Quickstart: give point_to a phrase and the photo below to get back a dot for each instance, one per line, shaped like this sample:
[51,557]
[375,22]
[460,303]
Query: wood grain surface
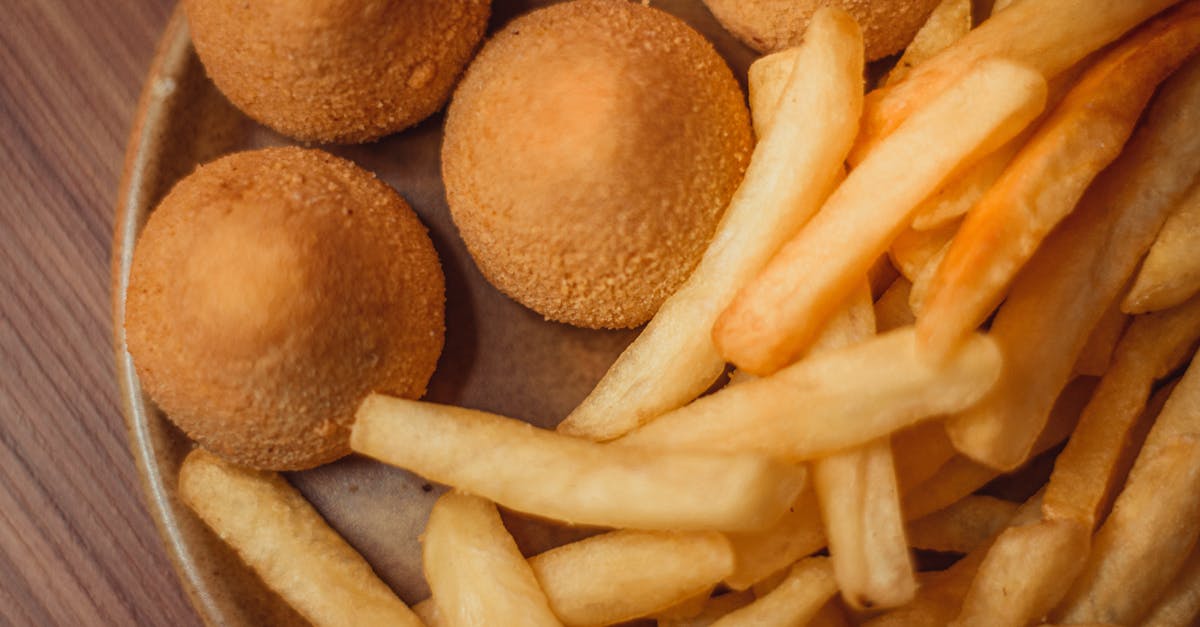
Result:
[76,544]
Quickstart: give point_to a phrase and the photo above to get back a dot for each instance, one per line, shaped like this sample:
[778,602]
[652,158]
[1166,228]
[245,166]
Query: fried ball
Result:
[770,25]
[589,153]
[336,70]
[270,292]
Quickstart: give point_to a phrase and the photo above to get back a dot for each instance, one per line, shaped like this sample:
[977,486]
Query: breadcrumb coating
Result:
[270,292]
[590,150]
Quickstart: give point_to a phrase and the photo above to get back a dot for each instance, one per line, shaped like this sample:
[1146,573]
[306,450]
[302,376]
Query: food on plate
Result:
[285,541]
[775,317]
[474,569]
[1064,289]
[589,152]
[774,25]
[345,71]
[270,291]
[1170,273]
[1050,173]
[546,474]
[794,166]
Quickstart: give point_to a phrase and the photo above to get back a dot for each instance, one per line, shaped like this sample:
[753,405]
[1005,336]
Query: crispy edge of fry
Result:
[963,526]
[1060,295]
[1085,471]
[795,601]
[1050,35]
[571,479]
[474,569]
[1170,273]
[794,167]
[949,22]
[1049,175]
[848,397]
[283,538]
[623,575]
[775,317]
[767,79]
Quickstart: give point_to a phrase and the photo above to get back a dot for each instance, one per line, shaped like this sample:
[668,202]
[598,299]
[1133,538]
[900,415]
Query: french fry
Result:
[1078,271]
[689,608]
[1170,273]
[428,612]
[1097,353]
[546,474]
[1084,472]
[1133,445]
[830,615]
[775,317]
[713,610]
[964,191]
[279,534]
[474,569]
[1179,605]
[948,23]
[1025,573]
[920,451]
[892,310]
[793,169]
[623,575]
[828,402]
[912,250]
[795,601]
[1156,519]
[759,555]
[860,504]
[961,476]
[923,281]
[767,79]
[1048,35]
[881,275]
[1047,178]
[1000,5]
[963,526]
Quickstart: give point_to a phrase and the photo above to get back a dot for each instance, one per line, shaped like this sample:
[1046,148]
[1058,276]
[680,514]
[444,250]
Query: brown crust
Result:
[336,70]
[272,290]
[589,153]
[771,25]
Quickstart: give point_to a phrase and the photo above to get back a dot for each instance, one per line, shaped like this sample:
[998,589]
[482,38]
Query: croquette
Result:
[270,292]
[342,71]
[589,152]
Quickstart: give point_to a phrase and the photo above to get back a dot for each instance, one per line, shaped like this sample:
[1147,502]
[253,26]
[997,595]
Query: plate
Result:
[499,356]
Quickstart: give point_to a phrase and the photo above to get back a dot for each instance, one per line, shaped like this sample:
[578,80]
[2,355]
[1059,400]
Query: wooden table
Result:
[76,544]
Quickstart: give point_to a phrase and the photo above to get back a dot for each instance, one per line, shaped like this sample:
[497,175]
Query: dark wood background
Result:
[76,544]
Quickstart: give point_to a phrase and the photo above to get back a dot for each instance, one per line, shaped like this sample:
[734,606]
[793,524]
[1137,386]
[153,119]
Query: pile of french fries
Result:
[1034,181]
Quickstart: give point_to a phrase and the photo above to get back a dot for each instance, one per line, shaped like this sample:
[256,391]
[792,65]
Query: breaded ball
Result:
[270,292]
[336,70]
[770,25]
[590,150]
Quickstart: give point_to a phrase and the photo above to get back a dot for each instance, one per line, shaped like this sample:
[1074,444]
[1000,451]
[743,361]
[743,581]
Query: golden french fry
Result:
[1079,270]
[759,555]
[948,23]
[713,610]
[892,310]
[623,575]
[1155,345]
[687,609]
[1025,573]
[1179,605]
[828,402]
[793,169]
[775,317]
[1137,438]
[963,526]
[923,281]
[428,612]
[795,601]
[964,191]
[767,79]
[543,473]
[912,251]
[1000,5]
[1047,178]
[475,570]
[1048,35]
[919,452]
[1155,521]
[1097,353]
[279,534]
[830,615]
[860,505]
[962,476]
[1170,273]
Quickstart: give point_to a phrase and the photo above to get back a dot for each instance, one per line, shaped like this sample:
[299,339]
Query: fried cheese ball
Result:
[770,25]
[270,292]
[336,70]
[589,153]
